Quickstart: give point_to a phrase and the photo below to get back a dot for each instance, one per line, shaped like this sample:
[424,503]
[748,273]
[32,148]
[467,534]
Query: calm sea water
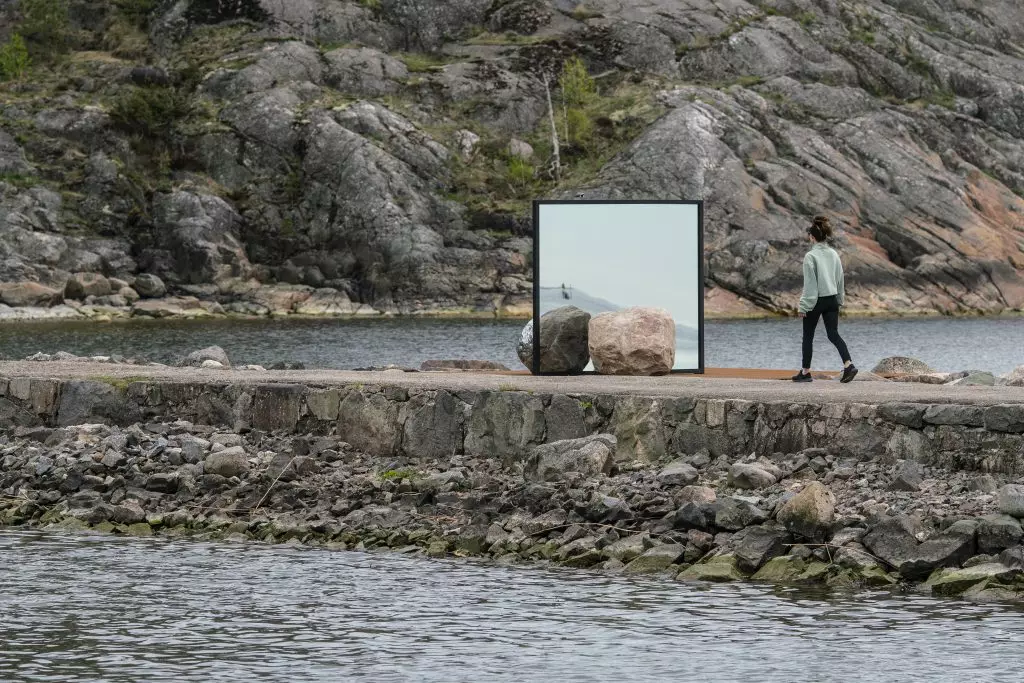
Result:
[993,344]
[101,608]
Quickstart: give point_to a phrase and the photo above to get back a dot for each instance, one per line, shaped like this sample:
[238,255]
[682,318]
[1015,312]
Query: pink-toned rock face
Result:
[634,341]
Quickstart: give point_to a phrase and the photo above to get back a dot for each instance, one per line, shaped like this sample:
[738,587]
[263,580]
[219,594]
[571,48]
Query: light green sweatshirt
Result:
[823,276]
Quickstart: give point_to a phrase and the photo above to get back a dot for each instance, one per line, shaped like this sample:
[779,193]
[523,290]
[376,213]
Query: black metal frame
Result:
[536,272]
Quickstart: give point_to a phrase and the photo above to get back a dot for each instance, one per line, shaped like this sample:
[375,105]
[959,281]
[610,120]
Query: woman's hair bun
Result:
[821,228]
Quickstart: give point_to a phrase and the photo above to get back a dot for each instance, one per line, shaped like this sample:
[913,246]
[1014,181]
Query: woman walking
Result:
[822,297]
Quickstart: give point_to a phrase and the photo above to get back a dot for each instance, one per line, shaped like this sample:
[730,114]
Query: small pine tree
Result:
[578,88]
[14,58]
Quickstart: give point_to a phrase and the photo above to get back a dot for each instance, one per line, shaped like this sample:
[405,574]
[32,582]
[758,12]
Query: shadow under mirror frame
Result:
[538,203]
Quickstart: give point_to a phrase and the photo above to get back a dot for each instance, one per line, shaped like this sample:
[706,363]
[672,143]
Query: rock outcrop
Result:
[396,170]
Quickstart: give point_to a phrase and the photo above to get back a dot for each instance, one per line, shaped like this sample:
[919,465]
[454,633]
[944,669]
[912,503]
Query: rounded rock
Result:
[634,341]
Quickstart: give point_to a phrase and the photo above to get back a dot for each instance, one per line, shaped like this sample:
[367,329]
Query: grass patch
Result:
[940,98]
[417,62]
[19,180]
[398,475]
[586,405]
[119,383]
[508,386]
[507,38]
[806,19]
[581,13]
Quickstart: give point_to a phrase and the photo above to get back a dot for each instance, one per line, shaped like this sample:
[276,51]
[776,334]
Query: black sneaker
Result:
[801,377]
[849,372]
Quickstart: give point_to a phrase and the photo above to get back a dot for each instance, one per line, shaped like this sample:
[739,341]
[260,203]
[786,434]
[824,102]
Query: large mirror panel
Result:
[607,257]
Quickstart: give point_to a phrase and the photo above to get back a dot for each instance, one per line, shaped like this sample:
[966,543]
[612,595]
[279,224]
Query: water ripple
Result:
[85,608]
[945,343]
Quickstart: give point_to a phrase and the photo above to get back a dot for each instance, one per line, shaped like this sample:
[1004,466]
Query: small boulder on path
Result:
[634,341]
[902,365]
[563,341]
[214,353]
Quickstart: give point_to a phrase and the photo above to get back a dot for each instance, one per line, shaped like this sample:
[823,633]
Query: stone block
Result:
[906,414]
[323,404]
[636,423]
[370,423]
[1005,418]
[85,401]
[276,406]
[432,426]
[565,419]
[953,414]
[504,424]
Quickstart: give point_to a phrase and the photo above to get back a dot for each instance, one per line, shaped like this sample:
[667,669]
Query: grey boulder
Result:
[563,341]
[590,456]
[196,359]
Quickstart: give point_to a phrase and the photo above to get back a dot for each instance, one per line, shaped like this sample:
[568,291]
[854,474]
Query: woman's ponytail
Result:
[821,228]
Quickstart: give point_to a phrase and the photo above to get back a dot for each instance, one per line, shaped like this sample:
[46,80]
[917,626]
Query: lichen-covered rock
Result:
[810,513]
[1011,500]
[677,473]
[590,456]
[149,286]
[634,341]
[949,582]
[655,559]
[721,569]
[230,462]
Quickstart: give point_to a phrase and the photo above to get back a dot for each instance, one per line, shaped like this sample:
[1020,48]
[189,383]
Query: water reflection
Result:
[76,608]
[947,344]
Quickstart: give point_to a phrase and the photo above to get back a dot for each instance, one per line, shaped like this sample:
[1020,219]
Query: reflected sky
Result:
[626,254]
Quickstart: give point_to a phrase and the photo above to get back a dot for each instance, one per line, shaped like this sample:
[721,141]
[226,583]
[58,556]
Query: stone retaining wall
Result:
[421,424]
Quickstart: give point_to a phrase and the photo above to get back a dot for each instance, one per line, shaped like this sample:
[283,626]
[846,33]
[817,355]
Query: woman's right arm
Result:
[809,297]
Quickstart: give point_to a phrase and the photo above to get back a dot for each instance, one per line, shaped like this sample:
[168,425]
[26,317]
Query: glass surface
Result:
[606,257]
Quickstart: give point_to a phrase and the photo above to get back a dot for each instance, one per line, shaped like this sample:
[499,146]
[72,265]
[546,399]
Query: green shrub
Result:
[44,23]
[580,125]
[520,173]
[136,11]
[150,112]
[14,59]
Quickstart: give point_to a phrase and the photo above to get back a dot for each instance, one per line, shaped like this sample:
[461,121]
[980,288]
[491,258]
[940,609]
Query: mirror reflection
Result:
[599,258]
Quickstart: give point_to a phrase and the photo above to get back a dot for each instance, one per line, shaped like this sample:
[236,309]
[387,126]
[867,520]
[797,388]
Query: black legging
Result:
[827,307]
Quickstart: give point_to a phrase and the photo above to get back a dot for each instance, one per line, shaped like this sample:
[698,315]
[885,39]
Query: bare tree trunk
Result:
[565,115]
[556,153]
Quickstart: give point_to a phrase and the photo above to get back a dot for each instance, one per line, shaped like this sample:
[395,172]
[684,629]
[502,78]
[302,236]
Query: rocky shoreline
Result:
[327,304]
[806,518]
